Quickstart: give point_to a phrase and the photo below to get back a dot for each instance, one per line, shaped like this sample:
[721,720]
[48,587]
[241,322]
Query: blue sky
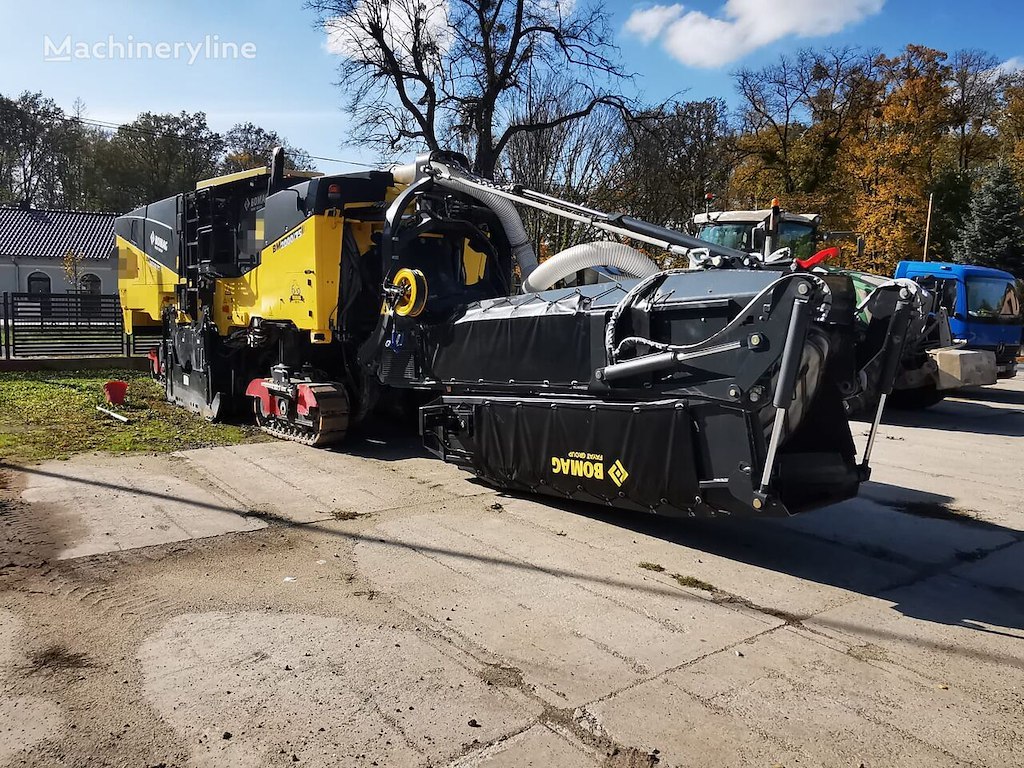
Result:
[690,47]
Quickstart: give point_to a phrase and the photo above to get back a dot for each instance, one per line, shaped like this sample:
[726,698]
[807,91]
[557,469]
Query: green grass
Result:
[681,579]
[651,567]
[692,582]
[52,415]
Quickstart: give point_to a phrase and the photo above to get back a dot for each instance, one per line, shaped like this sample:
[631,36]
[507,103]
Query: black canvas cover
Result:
[632,456]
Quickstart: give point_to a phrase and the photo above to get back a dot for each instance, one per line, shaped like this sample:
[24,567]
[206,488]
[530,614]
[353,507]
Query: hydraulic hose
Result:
[586,255]
[650,283]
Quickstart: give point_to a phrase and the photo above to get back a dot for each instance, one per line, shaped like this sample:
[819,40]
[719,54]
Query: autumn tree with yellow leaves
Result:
[866,140]
[893,155]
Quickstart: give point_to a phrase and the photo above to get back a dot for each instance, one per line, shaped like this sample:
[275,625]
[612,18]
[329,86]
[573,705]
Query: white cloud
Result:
[1011,66]
[648,23]
[742,26]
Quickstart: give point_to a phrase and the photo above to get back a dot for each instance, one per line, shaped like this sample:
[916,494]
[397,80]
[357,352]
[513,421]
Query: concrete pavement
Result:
[379,607]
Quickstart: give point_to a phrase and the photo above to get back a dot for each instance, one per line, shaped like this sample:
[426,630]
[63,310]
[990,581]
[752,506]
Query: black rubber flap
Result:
[632,456]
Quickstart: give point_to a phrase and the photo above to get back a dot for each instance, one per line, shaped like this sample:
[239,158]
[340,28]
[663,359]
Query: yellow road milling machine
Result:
[311,300]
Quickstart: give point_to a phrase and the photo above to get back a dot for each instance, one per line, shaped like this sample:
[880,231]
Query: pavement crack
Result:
[581,725]
[721,597]
[633,664]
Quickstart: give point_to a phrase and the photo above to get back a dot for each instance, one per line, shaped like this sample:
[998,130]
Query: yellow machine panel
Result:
[474,263]
[145,286]
[296,280]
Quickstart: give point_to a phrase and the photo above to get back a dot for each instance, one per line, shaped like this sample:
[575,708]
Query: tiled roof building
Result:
[34,242]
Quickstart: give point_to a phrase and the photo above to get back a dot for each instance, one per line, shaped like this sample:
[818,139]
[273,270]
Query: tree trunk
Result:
[486,159]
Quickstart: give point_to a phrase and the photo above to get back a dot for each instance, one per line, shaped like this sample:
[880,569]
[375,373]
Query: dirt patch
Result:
[496,674]
[30,535]
[57,657]
[868,652]
[81,621]
[269,516]
[344,514]
[681,579]
[586,728]
[727,598]
[693,582]
[631,757]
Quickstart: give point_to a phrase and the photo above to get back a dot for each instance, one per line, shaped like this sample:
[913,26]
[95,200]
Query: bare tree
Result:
[439,73]
[839,86]
[670,158]
[772,111]
[569,159]
[798,111]
[974,102]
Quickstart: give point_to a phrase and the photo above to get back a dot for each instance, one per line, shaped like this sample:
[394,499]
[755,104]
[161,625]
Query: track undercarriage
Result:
[307,412]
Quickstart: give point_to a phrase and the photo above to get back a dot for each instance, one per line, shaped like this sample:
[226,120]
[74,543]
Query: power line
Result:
[105,124]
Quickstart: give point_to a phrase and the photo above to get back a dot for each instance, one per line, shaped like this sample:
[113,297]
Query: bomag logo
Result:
[158,243]
[618,473]
[589,466]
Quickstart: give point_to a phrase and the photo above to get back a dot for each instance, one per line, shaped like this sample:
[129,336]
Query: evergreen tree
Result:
[952,205]
[993,234]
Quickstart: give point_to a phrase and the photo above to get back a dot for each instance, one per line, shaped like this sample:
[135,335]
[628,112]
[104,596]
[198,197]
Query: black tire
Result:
[915,399]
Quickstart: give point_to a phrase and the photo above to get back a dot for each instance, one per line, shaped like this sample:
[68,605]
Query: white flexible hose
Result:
[507,214]
[597,254]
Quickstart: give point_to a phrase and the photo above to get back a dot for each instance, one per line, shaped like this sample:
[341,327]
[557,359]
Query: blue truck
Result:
[983,306]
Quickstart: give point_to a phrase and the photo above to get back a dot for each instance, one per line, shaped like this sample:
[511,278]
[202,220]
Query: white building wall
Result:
[14,272]
[8,276]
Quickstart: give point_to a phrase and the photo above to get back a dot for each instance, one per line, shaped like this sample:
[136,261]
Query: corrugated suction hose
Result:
[507,214]
[597,254]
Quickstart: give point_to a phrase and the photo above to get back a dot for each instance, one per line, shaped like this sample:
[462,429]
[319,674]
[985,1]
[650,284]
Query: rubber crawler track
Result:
[332,419]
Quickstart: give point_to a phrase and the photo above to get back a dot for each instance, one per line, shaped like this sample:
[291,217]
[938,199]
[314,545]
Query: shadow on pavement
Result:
[974,416]
[383,439]
[1000,395]
[332,529]
[836,549]
[856,557]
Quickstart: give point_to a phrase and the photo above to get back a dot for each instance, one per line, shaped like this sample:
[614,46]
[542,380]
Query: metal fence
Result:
[57,325]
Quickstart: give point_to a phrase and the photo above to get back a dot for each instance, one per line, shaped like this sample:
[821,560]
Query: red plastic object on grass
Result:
[115,391]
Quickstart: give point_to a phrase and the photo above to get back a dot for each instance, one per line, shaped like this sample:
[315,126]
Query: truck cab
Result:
[983,305]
